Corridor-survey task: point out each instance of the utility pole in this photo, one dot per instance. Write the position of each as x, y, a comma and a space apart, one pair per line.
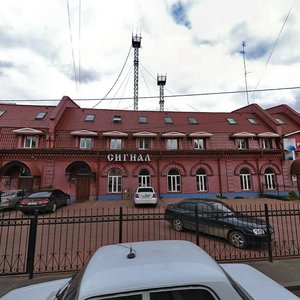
136, 44
161, 81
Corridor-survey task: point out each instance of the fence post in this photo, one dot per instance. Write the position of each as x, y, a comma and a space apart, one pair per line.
31, 245
121, 225
268, 233
197, 225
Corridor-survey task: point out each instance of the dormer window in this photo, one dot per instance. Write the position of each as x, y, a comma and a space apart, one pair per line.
143, 120
192, 120
90, 118
168, 120
117, 119
29, 141
231, 121
40, 115
241, 143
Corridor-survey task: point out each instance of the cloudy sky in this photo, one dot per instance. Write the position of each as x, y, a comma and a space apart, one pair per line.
82, 49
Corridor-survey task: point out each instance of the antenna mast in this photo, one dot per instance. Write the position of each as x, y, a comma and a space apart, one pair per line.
245, 70
136, 44
161, 81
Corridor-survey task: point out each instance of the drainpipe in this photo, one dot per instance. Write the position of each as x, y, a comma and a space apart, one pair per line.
97, 176
258, 173
220, 177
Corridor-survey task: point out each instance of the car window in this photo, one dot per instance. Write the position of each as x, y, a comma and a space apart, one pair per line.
219, 207
186, 294
8, 193
145, 190
40, 195
204, 207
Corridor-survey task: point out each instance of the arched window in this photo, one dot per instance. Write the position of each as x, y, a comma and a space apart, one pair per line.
114, 181
270, 182
144, 178
174, 181
201, 180
245, 179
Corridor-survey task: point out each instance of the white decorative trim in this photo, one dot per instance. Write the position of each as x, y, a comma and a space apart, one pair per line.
84, 133
28, 131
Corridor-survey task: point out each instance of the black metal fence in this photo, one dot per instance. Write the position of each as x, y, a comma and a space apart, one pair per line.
65, 241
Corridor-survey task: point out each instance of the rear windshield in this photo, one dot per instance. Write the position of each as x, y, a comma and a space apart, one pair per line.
145, 189
8, 193
40, 195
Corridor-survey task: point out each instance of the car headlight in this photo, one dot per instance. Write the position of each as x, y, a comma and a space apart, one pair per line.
259, 231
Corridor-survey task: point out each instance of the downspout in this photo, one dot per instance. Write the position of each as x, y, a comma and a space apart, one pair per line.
220, 177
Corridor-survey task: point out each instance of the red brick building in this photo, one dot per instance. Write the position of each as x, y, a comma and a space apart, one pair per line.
106, 154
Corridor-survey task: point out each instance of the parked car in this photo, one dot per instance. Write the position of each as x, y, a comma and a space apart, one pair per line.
218, 219
10, 199
157, 270
145, 195
44, 200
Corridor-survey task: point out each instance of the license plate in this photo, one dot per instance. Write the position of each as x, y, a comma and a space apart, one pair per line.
32, 203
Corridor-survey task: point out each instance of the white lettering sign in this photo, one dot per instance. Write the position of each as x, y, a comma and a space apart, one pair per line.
128, 157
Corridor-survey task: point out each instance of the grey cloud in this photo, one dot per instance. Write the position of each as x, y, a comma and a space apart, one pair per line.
86, 76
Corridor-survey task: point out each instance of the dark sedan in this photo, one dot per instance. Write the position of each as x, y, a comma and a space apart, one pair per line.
218, 219
44, 201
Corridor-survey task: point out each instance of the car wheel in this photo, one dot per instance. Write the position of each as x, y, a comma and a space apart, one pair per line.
237, 239
53, 209
177, 224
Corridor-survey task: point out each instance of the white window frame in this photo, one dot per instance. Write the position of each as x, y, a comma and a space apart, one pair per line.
241, 143
114, 183
245, 181
172, 144
115, 143
85, 143
270, 181
144, 179
266, 143
174, 182
30, 141
201, 182
144, 143
199, 144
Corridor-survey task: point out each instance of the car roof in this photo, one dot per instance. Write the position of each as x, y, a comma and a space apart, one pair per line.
156, 264
202, 200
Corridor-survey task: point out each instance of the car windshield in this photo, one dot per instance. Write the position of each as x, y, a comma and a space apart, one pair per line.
8, 193
40, 195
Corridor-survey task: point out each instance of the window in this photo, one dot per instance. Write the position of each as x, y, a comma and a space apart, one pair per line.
192, 120
90, 118
168, 120
183, 294
117, 119
198, 143
143, 120
85, 143
40, 115
115, 181
144, 143
266, 143
270, 183
30, 141
201, 180
115, 143
241, 143
172, 144
280, 121
245, 179
144, 178
2, 112
252, 121
231, 121
174, 181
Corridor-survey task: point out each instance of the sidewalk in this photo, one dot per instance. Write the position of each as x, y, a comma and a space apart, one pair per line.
286, 272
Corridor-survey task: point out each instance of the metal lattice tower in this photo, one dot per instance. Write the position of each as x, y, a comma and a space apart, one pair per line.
161, 81
136, 44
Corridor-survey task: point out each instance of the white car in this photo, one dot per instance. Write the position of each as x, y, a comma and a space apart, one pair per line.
145, 195
157, 270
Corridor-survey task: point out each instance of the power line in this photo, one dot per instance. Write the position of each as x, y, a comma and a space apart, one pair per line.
154, 97
115, 80
71, 40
